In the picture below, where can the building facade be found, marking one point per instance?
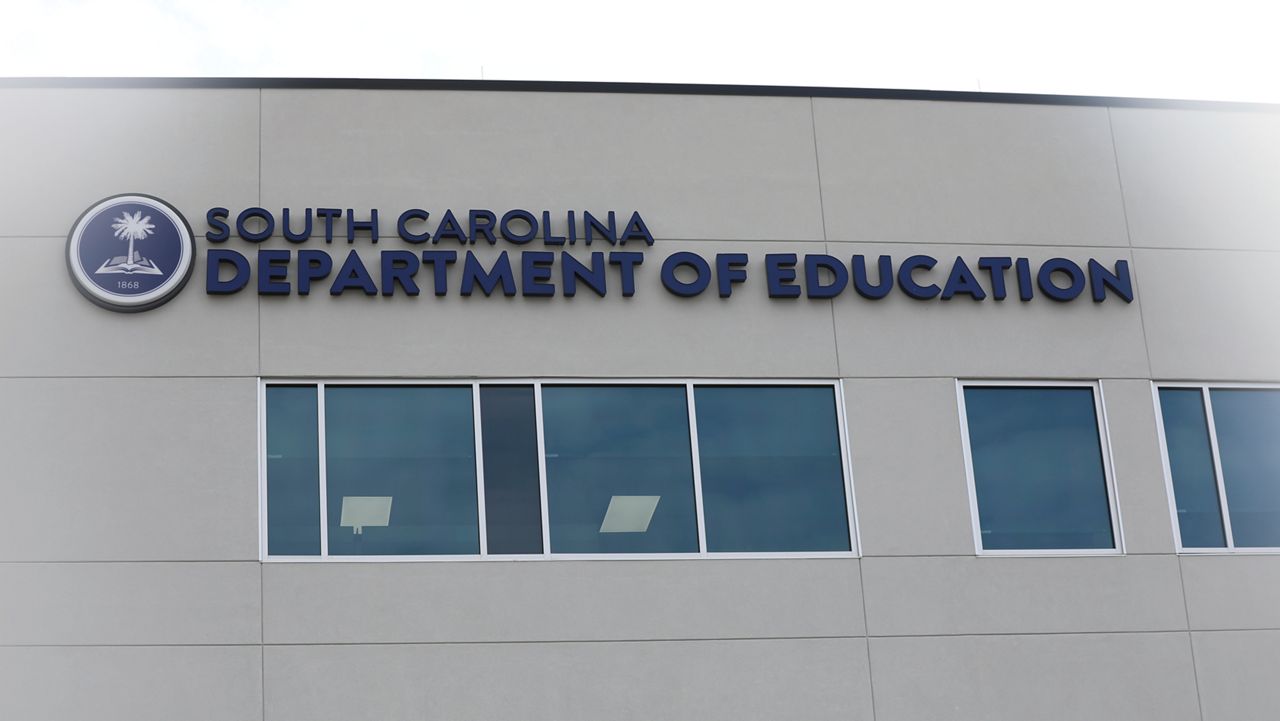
(746, 468)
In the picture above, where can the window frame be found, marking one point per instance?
(1104, 447)
(689, 384)
(1166, 467)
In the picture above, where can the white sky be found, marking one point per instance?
(1221, 50)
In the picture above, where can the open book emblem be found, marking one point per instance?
(131, 228)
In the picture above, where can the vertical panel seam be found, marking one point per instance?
(826, 245)
(1191, 643)
(1128, 234)
(262, 593)
(866, 630)
(262, 637)
(259, 300)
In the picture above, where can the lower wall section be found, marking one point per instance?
(811, 679)
(1238, 672)
(136, 683)
(1131, 676)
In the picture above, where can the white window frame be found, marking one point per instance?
(1104, 445)
(476, 384)
(1223, 509)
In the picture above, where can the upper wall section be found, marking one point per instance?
(696, 167)
(1199, 178)
(928, 172)
(710, 172)
(64, 149)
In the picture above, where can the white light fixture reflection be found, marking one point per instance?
(361, 511)
(629, 514)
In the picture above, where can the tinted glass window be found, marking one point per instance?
(293, 472)
(1037, 468)
(400, 470)
(619, 469)
(772, 476)
(512, 492)
(1195, 486)
(1248, 429)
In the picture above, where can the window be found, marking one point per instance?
(1222, 451)
(575, 468)
(1038, 473)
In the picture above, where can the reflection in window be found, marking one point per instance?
(512, 493)
(619, 469)
(400, 470)
(293, 472)
(772, 477)
(1195, 486)
(1247, 422)
(1038, 472)
(375, 470)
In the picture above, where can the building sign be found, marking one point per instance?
(130, 252)
(514, 252)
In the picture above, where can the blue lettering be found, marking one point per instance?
(572, 270)
(351, 275)
(908, 283)
(473, 272)
(962, 280)
(399, 266)
(312, 265)
(779, 271)
(702, 274)
(214, 260)
(813, 279)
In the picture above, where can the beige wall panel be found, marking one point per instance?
(695, 167)
(1232, 592)
(129, 470)
(1135, 676)
(1200, 178)
(1042, 338)
(732, 680)
(50, 329)
(932, 172)
(560, 600)
(66, 149)
(130, 603)
(652, 334)
(1210, 316)
(908, 470)
(920, 596)
(141, 683)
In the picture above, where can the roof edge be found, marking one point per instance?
(566, 86)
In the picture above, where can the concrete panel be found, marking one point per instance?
(945, 596)
(733, 680)
(128, 470)
(1042, 338)
(1232, 592)
(1139, 475)
(908, 475)
(1198, 178)
(1146, 677)
(924, 172)
(129, 603)
(52, 330)
(560, 600)
(1237, 673)
(654, 333)
(1208, 316)
(65, 149)
(141, 683)
(695, 167)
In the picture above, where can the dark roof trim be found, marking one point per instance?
(556, 86)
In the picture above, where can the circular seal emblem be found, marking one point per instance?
(130, 252)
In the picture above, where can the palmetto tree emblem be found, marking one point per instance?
(131, 228)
